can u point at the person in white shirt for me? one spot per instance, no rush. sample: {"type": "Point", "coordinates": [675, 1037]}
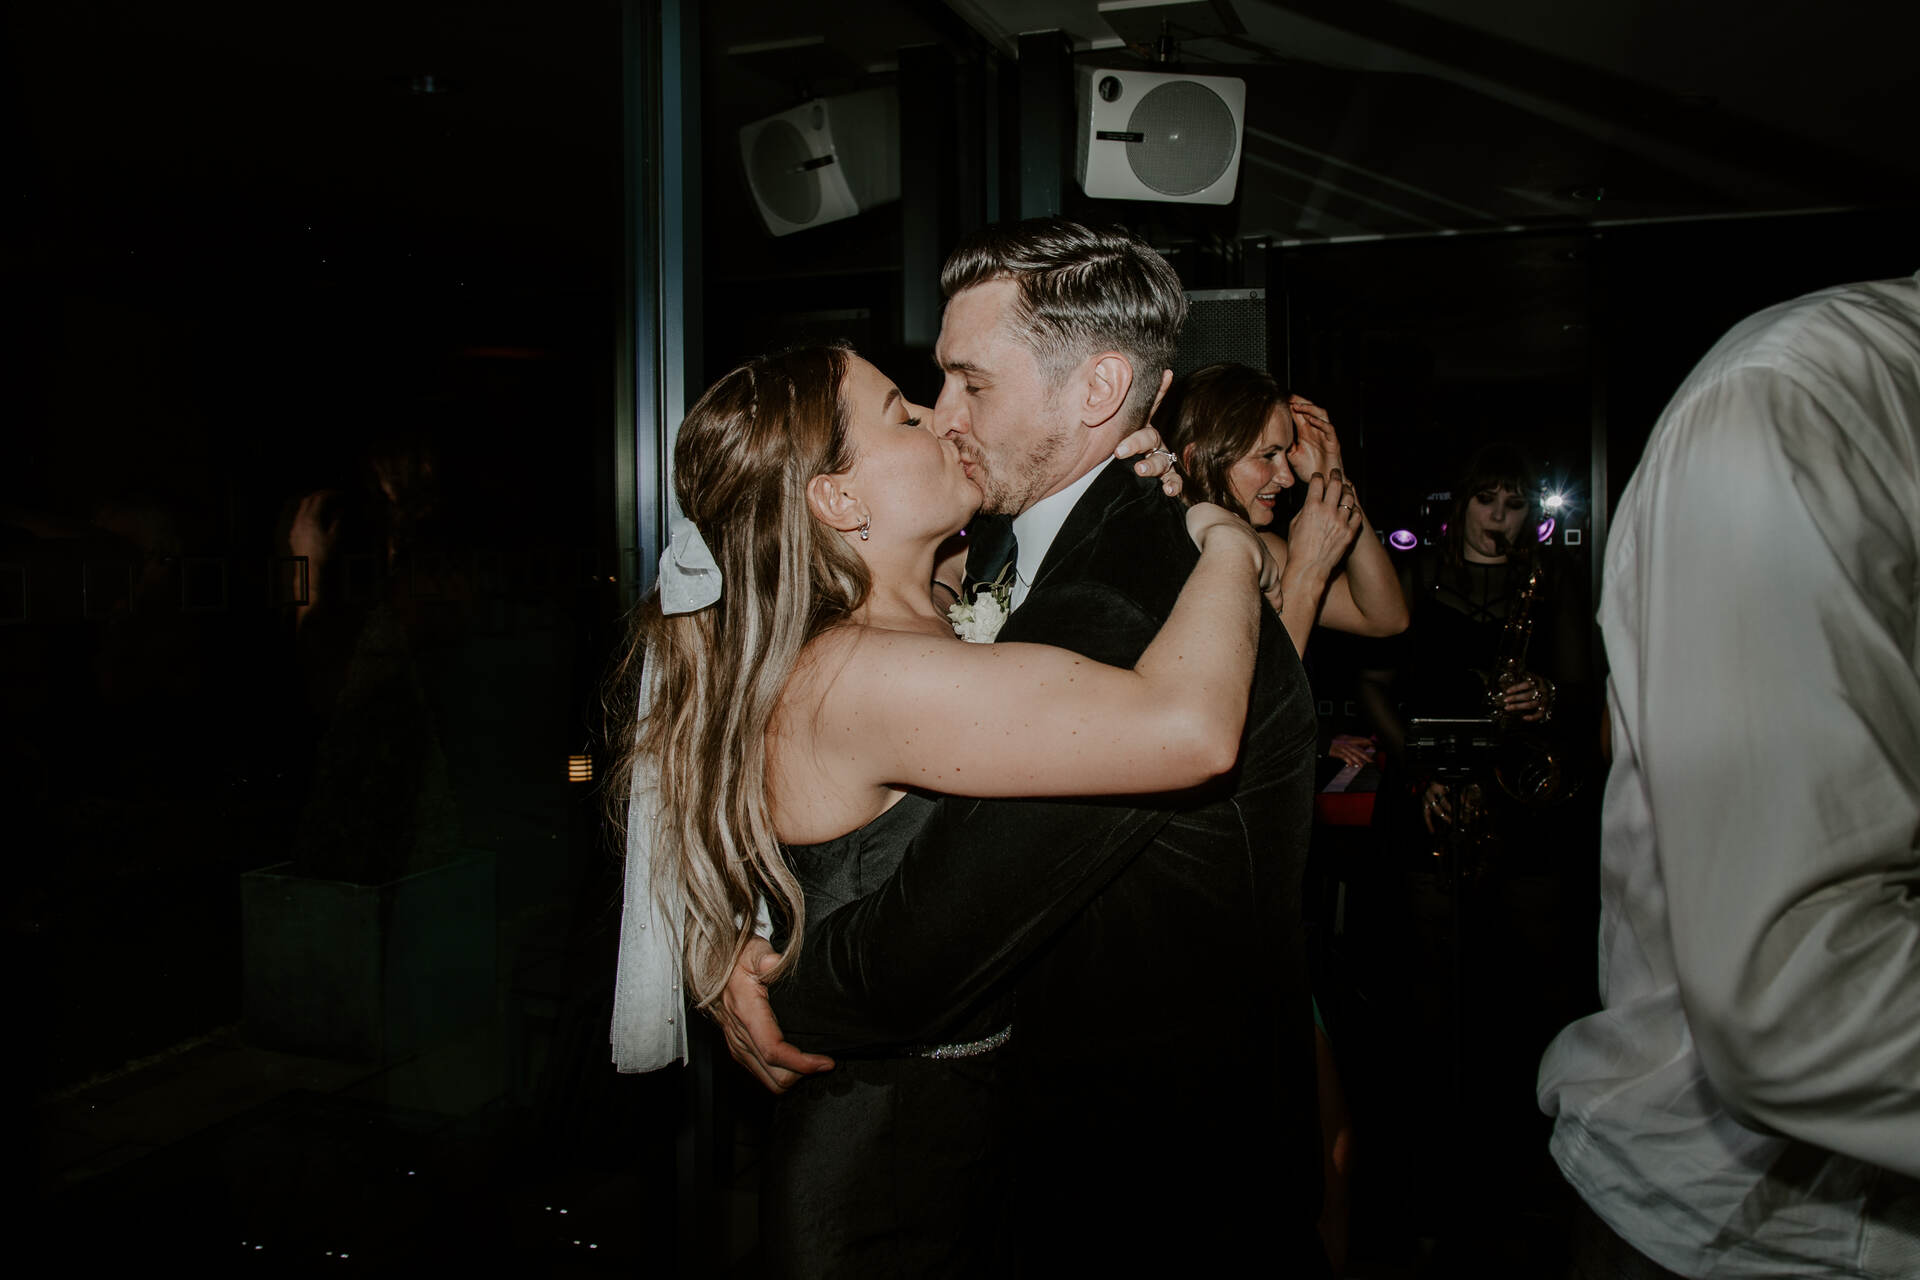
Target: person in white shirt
{"type": "Point", "coordinates": [1748, 1101]}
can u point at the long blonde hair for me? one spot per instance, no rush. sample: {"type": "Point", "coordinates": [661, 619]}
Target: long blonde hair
{"type": "Point", "coordinates": [741, 465]}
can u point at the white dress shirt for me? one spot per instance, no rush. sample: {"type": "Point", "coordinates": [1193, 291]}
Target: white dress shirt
{"type": "Point", "coordinates": [1035, 529]}
{"type": "Point", "coordinates": [1748, 1103]}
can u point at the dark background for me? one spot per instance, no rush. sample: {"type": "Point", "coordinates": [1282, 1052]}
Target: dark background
{"type": "Point", "coordinates": [258, 253]}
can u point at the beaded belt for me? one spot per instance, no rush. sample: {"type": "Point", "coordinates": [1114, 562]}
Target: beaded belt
{"type": "Point", "coordinates": [971, 1049]}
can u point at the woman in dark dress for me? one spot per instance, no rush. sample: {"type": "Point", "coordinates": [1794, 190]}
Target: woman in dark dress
{"type": "Point", "coordinates": [1243, 442]}
{"type": "Point", "coordinates": [801, 684]}
{"type": "Point", "coordinates": [887, 1166]}
{"type": "Point", "coordinates": [1461, 593]}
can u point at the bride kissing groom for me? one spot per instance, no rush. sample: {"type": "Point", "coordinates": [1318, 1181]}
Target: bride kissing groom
{"type": "Point", "coordinates": [1057, 960]}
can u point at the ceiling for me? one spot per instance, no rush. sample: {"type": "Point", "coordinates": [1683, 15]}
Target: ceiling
{"type": "Point", "coordinates": [1395, 117]}
{"type": "Point", "coordinates": [1365, 117]}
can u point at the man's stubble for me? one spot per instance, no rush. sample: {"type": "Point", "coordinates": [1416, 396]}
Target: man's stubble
{"type": "Point", "coordinates": [1032, 477]}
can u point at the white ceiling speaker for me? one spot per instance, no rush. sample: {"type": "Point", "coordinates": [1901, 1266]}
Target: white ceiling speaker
{"type": "Point", "coordinates": [1147, 135]}
{"type": "Point", "coordinates": [824, 160]}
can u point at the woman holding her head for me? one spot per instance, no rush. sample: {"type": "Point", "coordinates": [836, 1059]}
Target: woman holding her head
{"type": "Point", "coordinates": [1242, 442]}
{"type": "Point", "coordinates": [801, 687]}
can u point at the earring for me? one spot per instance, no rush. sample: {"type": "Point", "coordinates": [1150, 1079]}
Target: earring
{"type": "Point", "coordinates": [866, 528]}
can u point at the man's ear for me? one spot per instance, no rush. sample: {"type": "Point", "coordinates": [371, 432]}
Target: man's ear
{"type": "Point", "coordinates": [1109, 378]}
{"type": "Point", "coordinates": [832, 505]}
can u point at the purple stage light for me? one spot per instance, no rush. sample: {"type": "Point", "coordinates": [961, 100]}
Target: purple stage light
{"type": "Point", "coordinates": [1402, 540]}
{"type": "Point", "coordinates": [1546, 529]}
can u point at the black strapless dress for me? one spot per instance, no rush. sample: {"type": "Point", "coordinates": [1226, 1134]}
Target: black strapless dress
{"type": "Point", "coordinates": [886, 1166]}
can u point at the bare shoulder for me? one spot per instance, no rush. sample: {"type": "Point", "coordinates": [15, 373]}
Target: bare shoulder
{"type": "Point", "coordinates": [889, 644]}
{"type": "Point", "coordinates": [1276, 546]}
{"type": "Point", "coordinates": [853, 662]}
{"type": "Point", "coordinates": [820, 778]}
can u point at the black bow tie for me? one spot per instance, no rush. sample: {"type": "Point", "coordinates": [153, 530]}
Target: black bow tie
{"type": "Point", "coordinates": [990, 550]}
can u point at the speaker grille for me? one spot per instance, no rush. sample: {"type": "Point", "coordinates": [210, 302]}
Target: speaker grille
{"type": "Point", "coordinates": [1223, 325]}
{"type": "Point", "coordinates": [788, 188]}
{"type": "Point", "coordinates": [1188, 138]}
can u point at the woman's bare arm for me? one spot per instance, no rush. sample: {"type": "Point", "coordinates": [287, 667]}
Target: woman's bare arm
{"type": "Point", "coordinates": [1363, 595]}
{"type": "Point", "coordinates": [1319, 538]}
{"type": "Point", "coordinates": [907, 709]}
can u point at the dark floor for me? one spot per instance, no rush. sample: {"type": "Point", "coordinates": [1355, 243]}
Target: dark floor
{"type": "Point", "coordinates": [514, 1146]}
{"type": "Point", "coordinates": [232, 1158]}
{"type": "Point", "coordinates": [227, 1156]}
{"type": "Point", "coordinates": [509, 1142]}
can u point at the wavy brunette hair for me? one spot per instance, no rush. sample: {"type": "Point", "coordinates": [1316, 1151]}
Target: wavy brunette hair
{"type": "Point", "coordinates": [1211, 419]}
{"type": "Point", "coordinates": [741, 465]}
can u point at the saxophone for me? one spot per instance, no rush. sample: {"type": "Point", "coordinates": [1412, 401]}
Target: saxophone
{"type": "Point", "coordinates": [1526, 766]}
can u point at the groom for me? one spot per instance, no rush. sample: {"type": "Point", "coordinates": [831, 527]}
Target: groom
{"type": "Point", "coordinates": [1149, 948]}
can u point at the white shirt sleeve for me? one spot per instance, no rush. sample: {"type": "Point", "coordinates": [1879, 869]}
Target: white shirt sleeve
{"type": "Point", "coordinates": [1775, 710]}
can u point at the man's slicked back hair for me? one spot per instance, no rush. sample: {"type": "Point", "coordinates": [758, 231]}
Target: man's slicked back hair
{"type": "Point", "coordinates": [1080, 290]}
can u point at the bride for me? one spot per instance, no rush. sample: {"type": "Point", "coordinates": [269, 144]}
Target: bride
{"type": "Point", "coordinates": [801, 692]}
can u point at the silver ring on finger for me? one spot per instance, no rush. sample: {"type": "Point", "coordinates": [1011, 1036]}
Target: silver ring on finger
{"type": "Point", "coordinates": [1164, 452]}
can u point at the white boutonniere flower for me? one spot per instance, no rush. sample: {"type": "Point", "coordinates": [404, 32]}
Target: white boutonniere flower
{"type": "Point", "coordinates": [978, 621]}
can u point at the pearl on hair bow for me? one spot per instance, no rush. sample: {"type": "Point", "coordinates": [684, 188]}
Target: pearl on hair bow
{"type": "Point", "coordinates": [689, 576]}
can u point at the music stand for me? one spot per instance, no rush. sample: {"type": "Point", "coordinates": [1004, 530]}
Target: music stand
{"type": "Point", "coordinates": [1452, 748]}
{"type": "Point", "coordinates": [1461, 752]}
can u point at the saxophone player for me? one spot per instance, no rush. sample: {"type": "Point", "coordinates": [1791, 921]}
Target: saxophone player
{"type": "Point", "coordinates": [1462, 593]}
{"type": "Point", "coordinates": [1523, 927]}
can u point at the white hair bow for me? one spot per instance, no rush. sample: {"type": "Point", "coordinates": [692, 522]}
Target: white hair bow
{"type": "Point", "coordinates": [649, 1005]}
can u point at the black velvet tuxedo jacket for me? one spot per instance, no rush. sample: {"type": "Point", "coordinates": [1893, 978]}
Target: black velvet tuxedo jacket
{"type": "Point", "coordinates": [1148, 947]}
